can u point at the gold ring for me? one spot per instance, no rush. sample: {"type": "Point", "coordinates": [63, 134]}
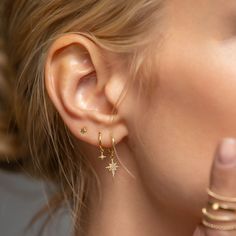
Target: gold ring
{"type": "Point", "coordinates": [218, 217]}
{"type": "Point", "coordinates": [221, 206]}
{"type": "Point", "coordinates": [217, 206]}
{"type": "Point", "coordinates": [219, 227]}
{"type": "Point", "coordinates": [220, 197]}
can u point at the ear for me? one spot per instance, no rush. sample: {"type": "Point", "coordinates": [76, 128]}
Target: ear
{"type": "Point", "coordinates": [84, 89]}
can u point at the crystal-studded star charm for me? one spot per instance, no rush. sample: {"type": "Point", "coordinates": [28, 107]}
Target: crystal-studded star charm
{"type": "Point", "coordinates": [112, 167]}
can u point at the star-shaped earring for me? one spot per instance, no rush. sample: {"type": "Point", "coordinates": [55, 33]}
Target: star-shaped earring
{"type": "Point", "coordinates": [112, 167]}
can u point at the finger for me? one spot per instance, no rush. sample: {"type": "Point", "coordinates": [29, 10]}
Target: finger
{"type": "Point", "coordinates": [223, 182]}
{"type": "Point", "coordinates": [200, 231]}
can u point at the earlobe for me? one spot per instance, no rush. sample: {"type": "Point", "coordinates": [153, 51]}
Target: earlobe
{"type": "Point", "coordinates": [77, 80]}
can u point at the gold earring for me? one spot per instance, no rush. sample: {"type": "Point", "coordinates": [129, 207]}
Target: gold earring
{"type": "Point", "coordinates": [113, 166]}
{"type": "Point", "coordinates": [83, 130]}
{"type": "Point", "coordinates": [102, 156]}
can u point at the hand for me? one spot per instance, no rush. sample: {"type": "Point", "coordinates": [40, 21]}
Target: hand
{"type": "Point", "coordinates": [222, 182]}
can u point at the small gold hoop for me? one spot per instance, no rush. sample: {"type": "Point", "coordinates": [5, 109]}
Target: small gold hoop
{"type": "Point", "coordinates": [102, 150]}
{"type": "Point", "coordinates": [113, 141]}
{"type": "Point", "coordinates": [100, 140]}
{"type": "Point", "coordinates": [220, 197]}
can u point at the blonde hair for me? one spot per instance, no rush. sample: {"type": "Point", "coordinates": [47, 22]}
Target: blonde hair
{"type": "Point", "coordinates": [31, 129]}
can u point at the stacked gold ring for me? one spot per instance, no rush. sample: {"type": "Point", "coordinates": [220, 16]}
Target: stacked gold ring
{"type": "Point", "coordinates": [217, 205]}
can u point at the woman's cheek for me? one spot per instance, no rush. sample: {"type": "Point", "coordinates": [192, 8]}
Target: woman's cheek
{"type": "Point", "coordinates": [191, 109]}
{"type": "Point", "coordinates": [201, 85]}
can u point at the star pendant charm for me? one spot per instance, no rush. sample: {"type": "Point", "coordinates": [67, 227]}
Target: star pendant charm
{"type": "Point", "coordinates": [112, 167]}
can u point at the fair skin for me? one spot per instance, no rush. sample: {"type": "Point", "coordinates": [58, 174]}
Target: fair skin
{"type": "Point", "coordinates": [166, 140]}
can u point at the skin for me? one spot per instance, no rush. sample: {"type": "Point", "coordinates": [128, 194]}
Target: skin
{"type": "Point", "coordinates": [170, 147]}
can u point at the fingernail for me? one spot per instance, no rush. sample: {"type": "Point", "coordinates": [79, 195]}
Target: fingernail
{"type": "Point", "coordinates": [227, 152]}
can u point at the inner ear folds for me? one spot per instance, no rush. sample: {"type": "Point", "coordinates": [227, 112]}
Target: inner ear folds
{"type": "Point", "coordinates": [77, 84]}
{"type": "Point", "coordinates": [76, 77]}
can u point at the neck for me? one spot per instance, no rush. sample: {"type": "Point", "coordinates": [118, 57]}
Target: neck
{"type": "Point", "coordinates": [126, 209]}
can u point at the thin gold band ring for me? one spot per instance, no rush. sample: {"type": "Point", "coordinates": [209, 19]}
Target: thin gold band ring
{"type": "Point", "coordinates": [220, 197]}
{"type": "Point", "coordinates": [218, 217]}
{"type": "Point", "coordinates": [219, 227]}
{"type": "Point", "coordinates": [221, 206]}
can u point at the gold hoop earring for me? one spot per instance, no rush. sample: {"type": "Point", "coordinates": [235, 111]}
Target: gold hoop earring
{"type": "Point", "coordinates": [102, 156]}
{"type": "Point", "coordinates": [113, 166]}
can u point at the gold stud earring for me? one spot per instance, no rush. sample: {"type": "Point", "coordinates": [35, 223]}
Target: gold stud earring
{"type": "Point", "coordinates": [113, 166]}
{"type": "Point", "coordinates": [102, 156]}
{"type": "Point", "coordinates": [83, 130]}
